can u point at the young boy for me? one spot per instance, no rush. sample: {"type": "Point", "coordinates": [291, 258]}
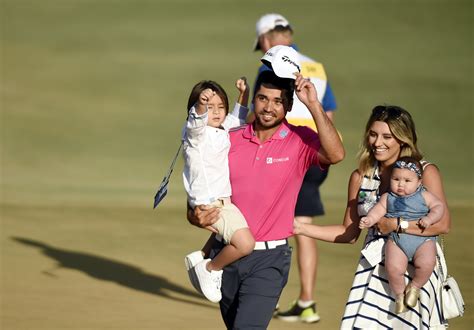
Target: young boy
{"type": "Point", "coordinates": [206, 180]}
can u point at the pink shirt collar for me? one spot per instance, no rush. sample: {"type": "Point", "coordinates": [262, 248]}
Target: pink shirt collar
{"type": "Point", "coordinates": [281, 133]}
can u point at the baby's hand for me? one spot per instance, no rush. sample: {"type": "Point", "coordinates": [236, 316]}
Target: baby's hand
{"type": "Point", "coordinates": [242, 85]}
{"type": "Point", "coordinates": [364, 222]}
{"type": "Point", "coordinates": [205, 96]}
{"type": "Point", "coordinates": [424, 223]}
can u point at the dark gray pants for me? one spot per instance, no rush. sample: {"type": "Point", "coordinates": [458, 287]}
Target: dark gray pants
{"type": "Point", "coordinates": [252, 286]}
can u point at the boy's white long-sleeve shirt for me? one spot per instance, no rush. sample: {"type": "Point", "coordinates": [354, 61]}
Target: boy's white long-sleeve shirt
{"type": "Point", "coordinates": [206, 161]}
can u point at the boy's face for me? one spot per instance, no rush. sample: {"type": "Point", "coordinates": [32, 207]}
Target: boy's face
{"type": "Point", "coordinates": [269, 107]}
{"type": "Point", "coordinates": [404, 182]}
{"type": "Point", "coordinates": [216, 111]}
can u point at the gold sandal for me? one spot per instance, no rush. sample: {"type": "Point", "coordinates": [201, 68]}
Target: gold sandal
{"type": "Point", "coordinates": [400, 305]}
{"type": "Point", "coordinates": [411, 295]}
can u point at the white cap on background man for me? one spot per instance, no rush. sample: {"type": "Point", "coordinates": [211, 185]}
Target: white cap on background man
{"type": "Point", "coordinates": [267, 23]}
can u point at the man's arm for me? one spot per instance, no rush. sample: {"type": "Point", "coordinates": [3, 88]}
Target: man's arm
{"type": "Point", "coordinates": [203, 216]}
{"type": "Point", "coordinates": [330, 115]}
{"type": "Point", "coordinates": [331, 150]}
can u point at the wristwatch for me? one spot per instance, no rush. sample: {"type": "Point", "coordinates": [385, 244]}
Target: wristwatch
{"type": "Point", "coordinates": [402, 225]}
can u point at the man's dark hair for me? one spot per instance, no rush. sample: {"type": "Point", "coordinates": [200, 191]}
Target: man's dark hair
{"type": "Point", "coordinates": [282, 29]}
{"type": "Point", "coordinates": [269, 79]}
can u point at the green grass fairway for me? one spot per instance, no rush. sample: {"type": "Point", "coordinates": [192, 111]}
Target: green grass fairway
{"type": "Point", "coordinates": [93, 96]}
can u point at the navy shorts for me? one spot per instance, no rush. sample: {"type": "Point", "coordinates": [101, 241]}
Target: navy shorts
{"type": "Point", "coordinates": [252, 285]}
{"type": "Point", "coordinates": [309, 200]}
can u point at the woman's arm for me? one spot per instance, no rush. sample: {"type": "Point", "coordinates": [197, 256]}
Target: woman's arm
{"type": "Point", "coordinates": [433, 183]}
{"type": "Point", "coordinates": [348, 231]}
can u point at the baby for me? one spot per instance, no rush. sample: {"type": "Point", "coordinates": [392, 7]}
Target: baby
{"type": "Point", "coordinates": [407, 201]}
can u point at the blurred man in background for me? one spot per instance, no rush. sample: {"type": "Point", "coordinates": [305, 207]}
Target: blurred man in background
{"type": "Point", "coordinates": [273, 30]}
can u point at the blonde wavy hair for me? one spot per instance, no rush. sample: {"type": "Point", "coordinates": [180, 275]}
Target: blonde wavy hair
{"type": "Point", "coordinates": [402, 128]}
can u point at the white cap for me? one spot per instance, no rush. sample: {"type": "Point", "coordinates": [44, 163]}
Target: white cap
{"type": "Point", "coordinates": [283, 60]}
{"type": "Point", "coordinates": [267, 23]}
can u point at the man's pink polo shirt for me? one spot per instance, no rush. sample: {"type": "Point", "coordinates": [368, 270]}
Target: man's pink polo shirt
{"type": "Point", "coordinates": [266, 177]}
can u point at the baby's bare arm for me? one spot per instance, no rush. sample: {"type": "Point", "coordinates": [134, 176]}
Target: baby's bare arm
{"type": "Point", "coordinates": [436, 210]}
{"type": "Point", "coordinates": [375, 214]}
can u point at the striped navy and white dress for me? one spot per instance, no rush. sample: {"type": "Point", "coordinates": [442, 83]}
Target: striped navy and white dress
{"type": "Point", "coordinates": [371, 304]}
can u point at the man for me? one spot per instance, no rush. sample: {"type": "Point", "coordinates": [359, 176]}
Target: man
{"type": "Point", "coordinates": [273, 30]}
{"type": "Point", "coordinates": [268, 160]}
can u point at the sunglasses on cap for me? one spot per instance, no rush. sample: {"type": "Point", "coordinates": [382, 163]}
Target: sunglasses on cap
{"type": "Point", "coordinates": [387, 111]}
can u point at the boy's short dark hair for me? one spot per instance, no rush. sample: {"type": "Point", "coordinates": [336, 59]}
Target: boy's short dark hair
{"type": "Point", "coordinates": [270, 80]}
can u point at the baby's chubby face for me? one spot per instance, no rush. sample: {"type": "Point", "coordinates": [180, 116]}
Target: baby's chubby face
{"type": "Point", "coordinates": [404, 182]}
{"type": "Point", "coordinates": [216, 111]}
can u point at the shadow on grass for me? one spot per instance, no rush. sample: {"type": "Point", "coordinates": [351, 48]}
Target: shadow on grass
{"type": "Point", "coordinates": [113, 271]}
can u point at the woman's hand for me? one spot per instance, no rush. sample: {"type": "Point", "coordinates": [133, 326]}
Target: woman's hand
{"type": "Point", "coordinates": [203, 216]}
{"type": "Point", "coordinates": [387, 225]}
{"type": "Point", "coordinates": [297, 227]}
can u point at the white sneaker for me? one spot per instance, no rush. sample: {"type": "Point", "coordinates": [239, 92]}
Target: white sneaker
{"type": "Point", "coordinates": [190, 261]}
{"type": "Point", "coordinates": [210, 282]}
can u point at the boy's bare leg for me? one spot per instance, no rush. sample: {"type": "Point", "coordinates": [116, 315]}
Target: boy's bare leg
{"type": "Point", "coordinates": [206, 249]}
{"type": "Point", "coordinates": [241, 244]}
{"type": "Point", "coordinates": [396, 264]}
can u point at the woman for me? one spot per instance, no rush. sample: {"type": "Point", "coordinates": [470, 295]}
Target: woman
{"type": "Point", "coordinates": [389, 134]}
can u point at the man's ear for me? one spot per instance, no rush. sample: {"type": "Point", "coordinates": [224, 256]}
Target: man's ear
{"type": "Point", "coordinates": [264, 42]}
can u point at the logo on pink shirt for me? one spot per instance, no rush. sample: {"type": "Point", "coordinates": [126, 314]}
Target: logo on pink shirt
{"type": "Point", "coordinates": [271, 160]}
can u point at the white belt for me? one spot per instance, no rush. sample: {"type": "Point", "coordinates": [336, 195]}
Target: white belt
{"type": "Point", "coordinates": [266, 245]}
